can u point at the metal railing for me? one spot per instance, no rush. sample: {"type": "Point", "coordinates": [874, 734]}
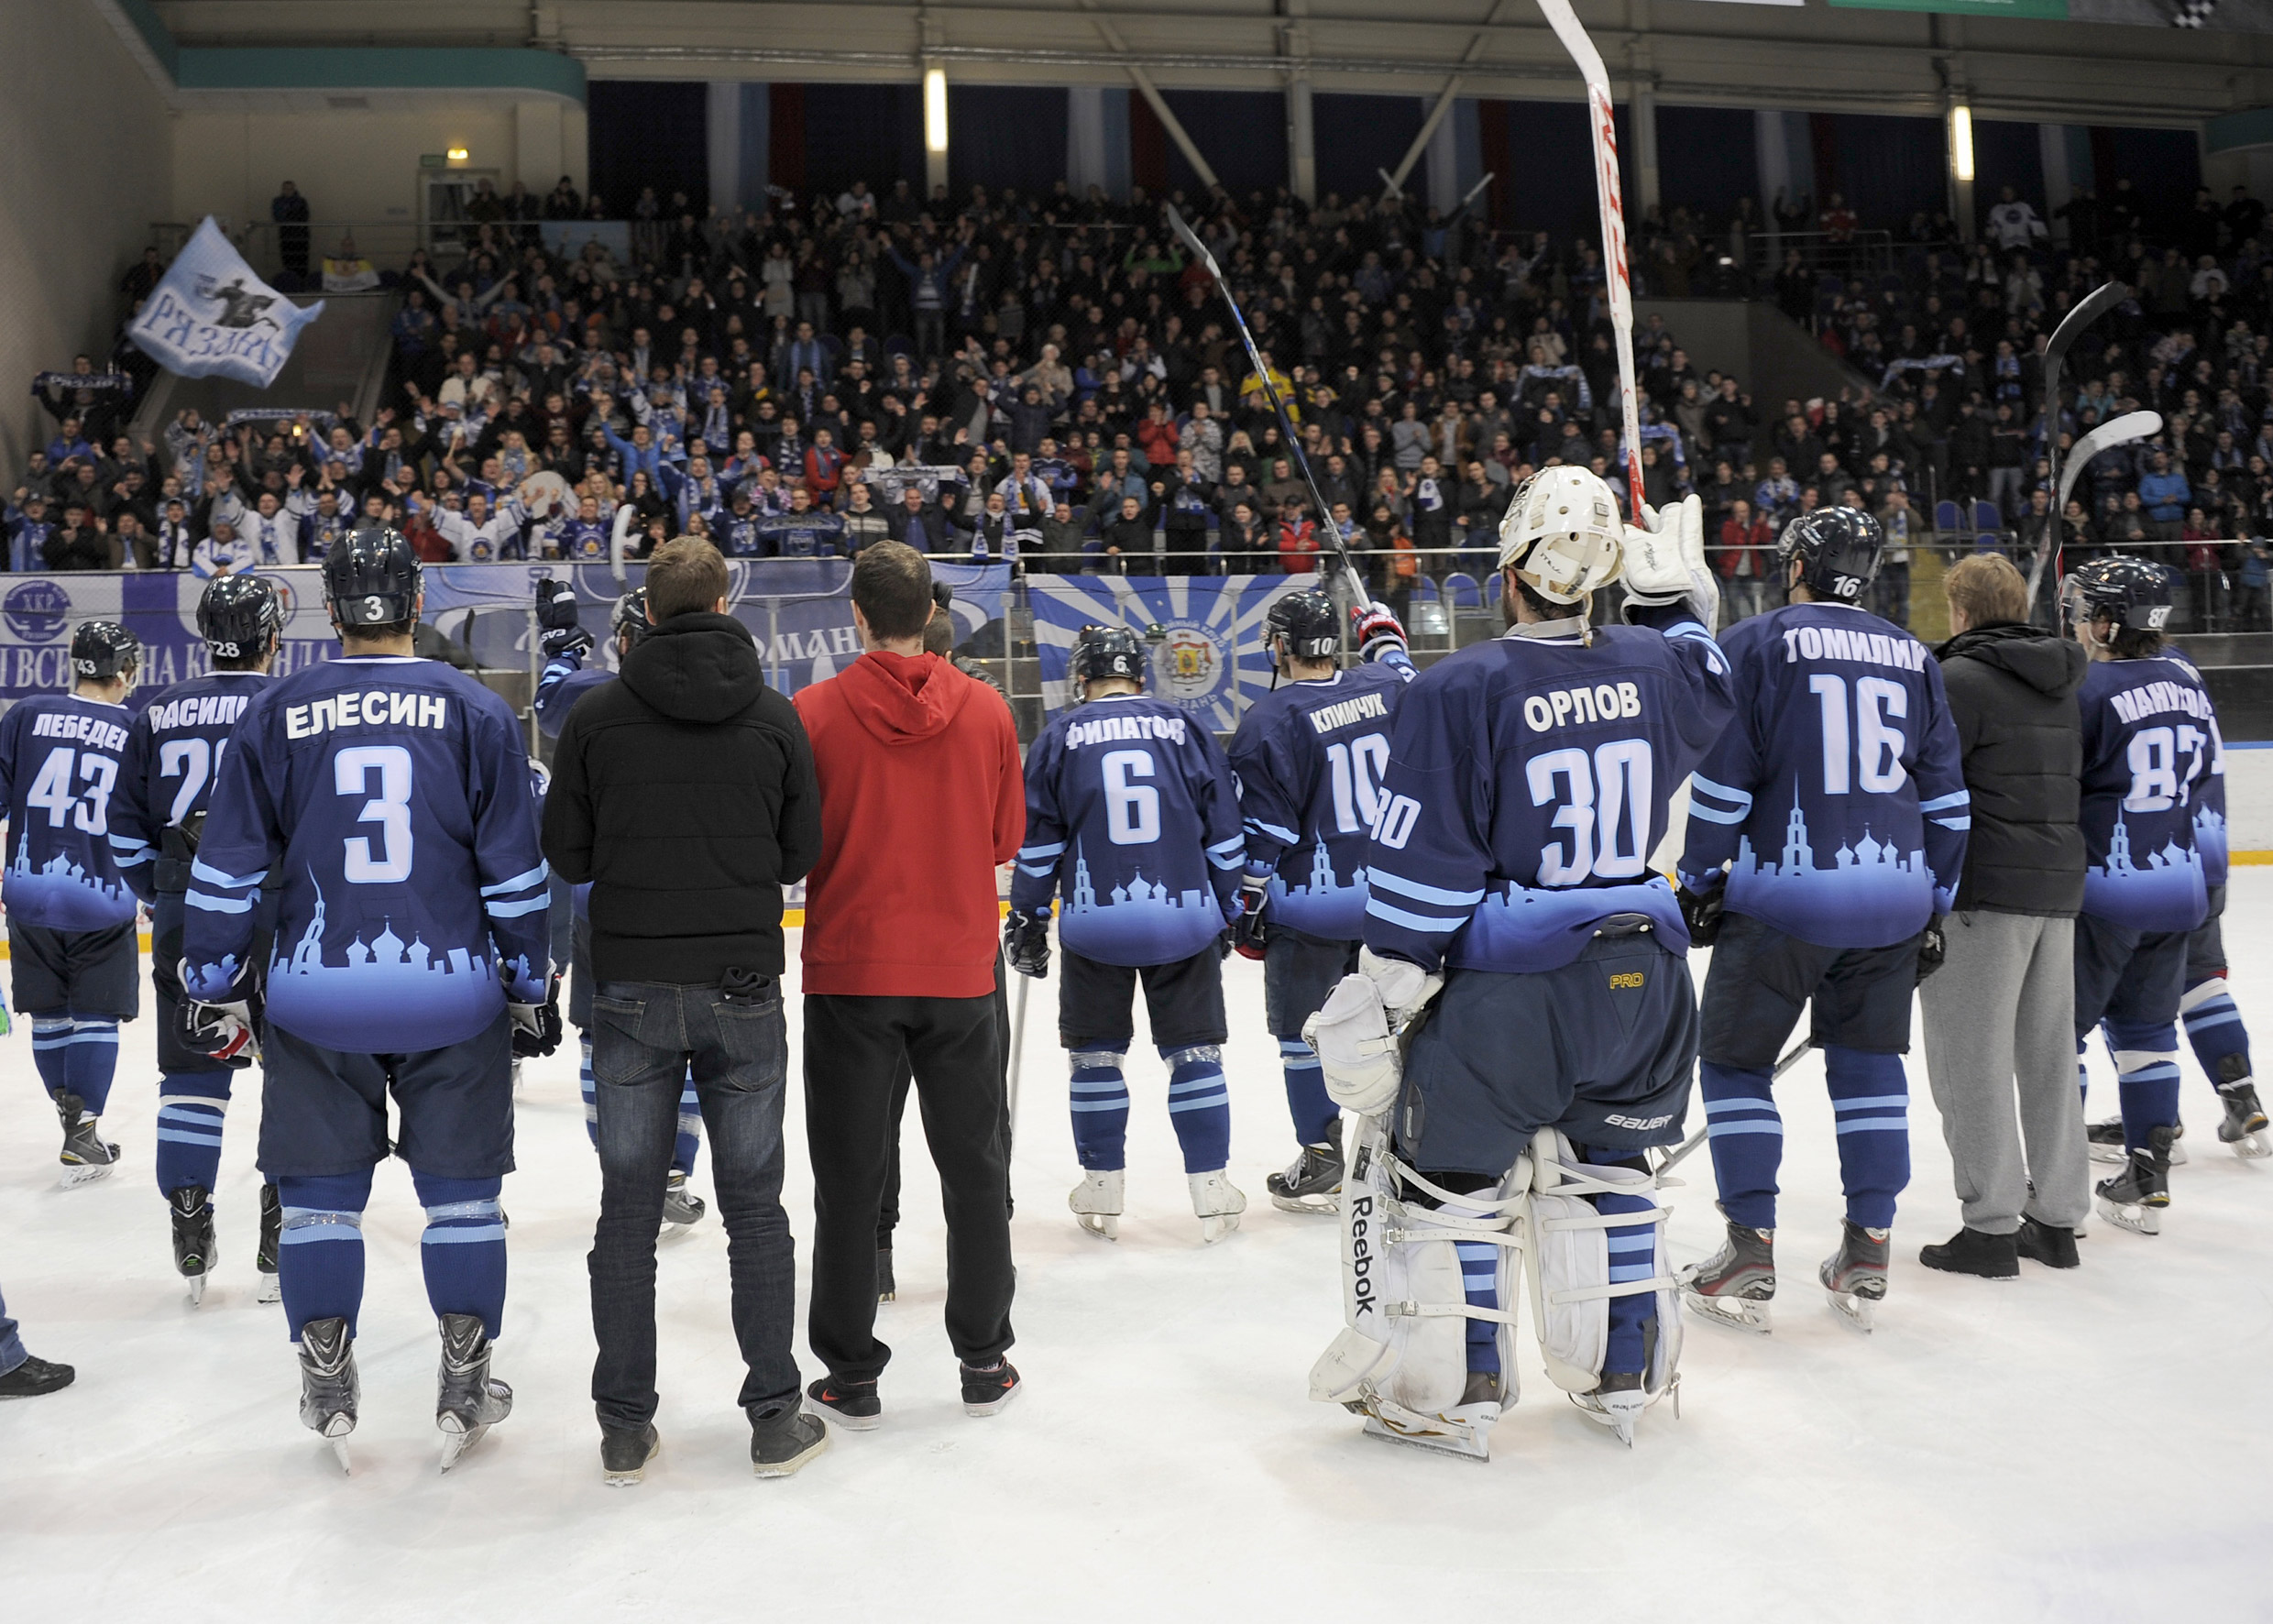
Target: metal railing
{"type": "Point", "coordinates": [1869, 254]}
{"type": "Point", "coordinates": [386, 244]}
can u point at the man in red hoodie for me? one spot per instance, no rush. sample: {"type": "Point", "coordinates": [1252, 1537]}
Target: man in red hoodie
{"type": "Point", "coordinates": [922, 799]}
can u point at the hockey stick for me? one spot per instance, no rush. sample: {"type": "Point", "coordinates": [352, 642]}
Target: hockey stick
{"type": "Point", "coordinates": [2120, 431]}
{"type": "Point", "coordinates": [2094, 306]}
{"type": "Point", "coordinates": [1604, 129]}
{"type": "Point", "coordinates": [1017, 1043]}
{"type": "Point", "coordinates": [1278, 404]}
{"type": "Point", "coordinates": [1797, 1053]}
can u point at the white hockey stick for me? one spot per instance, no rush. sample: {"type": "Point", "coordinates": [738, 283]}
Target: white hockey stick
{"type": "Point", "coordinates": [2117, 431]}
{"type": "Point", "coordinates": [1604, 129]}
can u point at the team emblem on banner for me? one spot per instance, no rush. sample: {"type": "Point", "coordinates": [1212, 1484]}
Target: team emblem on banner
{"type": "Point", "coordinates": [1205, 633]}
{"type": "Point", "coordinates": [36, 611]}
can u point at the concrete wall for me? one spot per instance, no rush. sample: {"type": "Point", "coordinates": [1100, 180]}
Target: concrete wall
{"type": "Point", "coordinates": [85, 134]}
{"type": "Point", "coordinates": [1774, 358]}
{"type": "Point", "coordinates": [361, 165]}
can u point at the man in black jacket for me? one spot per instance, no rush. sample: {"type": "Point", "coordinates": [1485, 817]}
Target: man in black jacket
{"type": "Point", "coordinates": [684, 794]}
{"type": "Point", "coordinates": [2003, 1012]}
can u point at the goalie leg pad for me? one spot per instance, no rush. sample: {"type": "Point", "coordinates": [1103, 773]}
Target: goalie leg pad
{"type": "Point", "coordinates": [1603, 1297]}
{"type": "Point", "coordinates": [1421, 1266]}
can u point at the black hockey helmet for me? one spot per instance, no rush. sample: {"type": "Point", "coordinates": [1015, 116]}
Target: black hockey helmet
{"type": "Point", "coordinates": [2136, 592]}
{"type": "Point", "coordinates": [1307, 620]}
{"type": "Point", "coordinates": [238, 615]}
{"type": "Point", "coordinates": [630, 619]}
{"type": "Point", "coordinates": [371, 578]}
{"type": "Point", "coordinates": [1106, 650]}
{"type": "Point", "coordinates": [1839, 550]}
{"type": "Point", "coordinates": [103, 651]}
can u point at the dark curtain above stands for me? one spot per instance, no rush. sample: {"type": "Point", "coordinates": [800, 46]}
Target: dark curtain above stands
{"type": "Point", "coordinates": [648, 132]}
{"type": "Point", "coordinates": [1241, 133]}
{"type": "Point", "coordinates": [1005, 134]}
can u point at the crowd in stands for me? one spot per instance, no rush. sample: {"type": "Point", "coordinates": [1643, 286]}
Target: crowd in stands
{"type": "Point", "coordinates": [1050, 380]}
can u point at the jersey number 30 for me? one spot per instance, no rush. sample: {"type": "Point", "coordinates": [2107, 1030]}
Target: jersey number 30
{"type": "Point", "coordinates": [1605, 806]}
{"type": "Point", "coordinates": [352, 771]}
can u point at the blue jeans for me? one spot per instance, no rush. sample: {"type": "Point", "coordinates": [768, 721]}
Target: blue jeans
{"type": "Point", "coordinates": [12, 1351]}
{"type": "Point", "coordinates": [646, 1038]}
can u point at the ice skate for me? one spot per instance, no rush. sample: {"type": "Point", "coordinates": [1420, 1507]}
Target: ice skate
{"type": "Point", "coordinates": [2244, 1125]}
{"type": "Point", "coordinates": [2104, 1140]}
{"type": "Point", "coordinates": [887, 1289]}
{"type": "Point", "coordinates": [1096, 1202]}
{"type": "Point", "coordinates": [86, 1155]}
{"type": "Point", "coordinates": [1217, 1202]}
{"type": "Point", "coordinates": [1617, 1402]}
{"type": "Point", "coordinates": [1461, 1431]}
{"type": "Point", "coordinates": [1734, 1285]}
{"type": "Point", "coordinates": [194, 1252]}
{"type": "Point", "coordinates": [1855, 1275]}
{"type": "Point", "coordinates": [329, 1390]}
{"type": "Point", "coordinates": [2134, 1197]}
{"type": "Point", "coordinates": [1313, 1182]}
{"type": "Point", "coordinates": [468, 1402]}
{"type": "Point", "coordinates": [271, 1237]}
{"type": "Point", "coordinates": [681, 1207]}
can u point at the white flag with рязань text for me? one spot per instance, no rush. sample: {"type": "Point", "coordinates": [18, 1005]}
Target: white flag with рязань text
{"type": "Point", "coordinates": [211, 315]}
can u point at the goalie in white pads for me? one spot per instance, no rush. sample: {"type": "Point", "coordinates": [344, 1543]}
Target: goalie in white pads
{"type": "Point", "coordinates": [1522, 1026]}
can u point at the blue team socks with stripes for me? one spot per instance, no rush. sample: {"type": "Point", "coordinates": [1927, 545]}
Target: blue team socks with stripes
{"type": "Point", "coordinates": [1633, 1256]}
{"type": "Point", "coordinates": [1099, 1107]}
{"type": "Point", "coordinates": [1199, 1105]}
{"type": "Point", "coordinates": [2214, 1029]}
{"type": "Point", "coordinates": [191, 1106]}
{"type": "Point", "coordinates": [1307, 1102]}
{"type": "Point", "coordinates": [320, 1259]}
{"type": "Point", "coordinates": [463, 1250]}
{"type": "Point", "coordinates": [689, 1139]}
{"type": "Point", "coordinates": [77, 1055]}
{"type": "Point", "coordinates": [1871, 1098]}
{"type": "Point", "coordinates": [2146, 1072]}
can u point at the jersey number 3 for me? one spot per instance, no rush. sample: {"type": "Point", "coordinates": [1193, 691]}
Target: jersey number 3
{"type": "Point", "coordinates": [352, 769]}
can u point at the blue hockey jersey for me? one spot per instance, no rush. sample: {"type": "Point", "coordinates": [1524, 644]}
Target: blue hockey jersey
{"type": "Point", "coordinates": [586, 541]}
{"type": "Point", "coordinates": [173, 751]}
{"type": "Point", "coordinates": [396, 794]}
{"type": "Point", "coordinates": [2154, 795]}
{"type": "Point", "coordinates": [566, 680]}
{"type": "Point", "coordinates": [813, 533]}
{"type": "Point", "coordinates": [1527, 785]}
{"type": "Point", "coordinates": [1838, 799]}
{"type": "Point", "coordinates": [1131, 813]}
{"type": "Point", "coordinates": [59, 762]}
{"type": "Point", "coordinates": [1308, 759]}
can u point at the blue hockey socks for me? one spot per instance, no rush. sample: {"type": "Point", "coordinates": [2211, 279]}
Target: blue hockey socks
{"type": "Point", "coordinates": [1633, 1256]}
{"type": "Point", "coordinates": [76, 1055]}
{"type": "Point", "coordinates": [1307, 1102]}
{"type": "Point", "coordinates": [463, 1250]}
{"type": "Point", "coordinates": [1746, 1137]}
{"type": "Point", "coordinates": [1199, 1105]}
{"type": "Point", "coordinates": [320, 1259]}
{"type": "Point", "coordinates": [591, 1097]}
{"type": "Point", "coordinates": [50, 1047]}
{"type": "Point", "coordinates": [2147, 1072]}
{"type": "Point", "coordinates": [2215, 1027]}
{"type": "Point", "coordinates": [1871, 1097]}
{"type": "Point", "coordinates": [1100, 1109]}
{"type": "Point", "coordinates": [190, 1105]}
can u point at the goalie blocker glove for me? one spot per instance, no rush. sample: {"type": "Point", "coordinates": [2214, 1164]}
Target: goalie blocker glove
{"type": "Point", "coordinates": [1357, 1033]}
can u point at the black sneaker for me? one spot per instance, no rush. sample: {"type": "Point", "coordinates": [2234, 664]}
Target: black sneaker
{"type": "Point", "coordinates": [1975, 1252]}
{"type": "Point", "coordinates": [36, 1375]}
{"type": "Point", "coordinates": [624, 1454]}
{"type": "Point", "coordinates": [851, 1404]}
{"type": "Point", "coordinates": [780, 1443]}
{"type": "Point", "coordinates": [2048, 1245]}
{"type": "Point", "coordinates": [985, 1392]}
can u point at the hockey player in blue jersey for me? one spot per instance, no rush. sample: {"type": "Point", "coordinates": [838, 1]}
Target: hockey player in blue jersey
{"type": "Point", "coordinates": [566, 680]}
{"type": "Point", "coordinates": [1308, 759]}
{"type": "Point", "coordinates": [2220, 1043]}
{"type": "Point", "coordinates": [1522, 1029]}
{"type": "Point", "coordinates": [1132, 815]}
{"type": "Point", "coordinates": [1826, 834]}
{"type": "Point", "coordinates": [157, 819]}
{"type": "Point", "coordinates": [2154, 832]}
{"type": "Point", "coordinates": [71, 917]}
{"type": "Point", "coordinates": [394, 794]}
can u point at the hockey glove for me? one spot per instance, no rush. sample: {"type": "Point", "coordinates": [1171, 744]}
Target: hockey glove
{"type": "Point", "coordinates": [1404, 986]}
{"type": "Point", "coordinates": [1933, 947]}
{"type": "Point", "coordinates": [556, 605]}
{"type": "Point", "coordinates": [1248, 933]}
{"type": "Point", "coordinates": [1025, 943]}
{"type": "Point", "coordinates": [229, 1033]}
{"type": "Point", "coordinates": [1377, 630]}
{"type": "Point", "coordinates": [536, 1027]}
{"type": "Point", "coordinates": [1664, 564]}
{"type": "Point", "coordinates": [1357, 1051]}
{"type": "Point", "coordinates": [1701, 913]}
{"type": "Point", "coordinates": [570, 640]}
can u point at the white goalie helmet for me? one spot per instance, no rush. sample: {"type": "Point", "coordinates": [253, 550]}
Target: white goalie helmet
{"type": "Point", "coordinates": [1563, 533]}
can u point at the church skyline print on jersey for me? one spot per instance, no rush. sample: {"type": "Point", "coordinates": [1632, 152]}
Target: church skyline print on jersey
{"type": "Point", "coordinates": [59, 762]}
{"type": "Point", "coordinates": [1870, 877]}
{"type": "Point", "coordinates": [2154, 795]}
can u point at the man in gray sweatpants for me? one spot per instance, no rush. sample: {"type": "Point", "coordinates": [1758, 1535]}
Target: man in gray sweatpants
{"type": "Point", "coordinates": [2000, 1017]}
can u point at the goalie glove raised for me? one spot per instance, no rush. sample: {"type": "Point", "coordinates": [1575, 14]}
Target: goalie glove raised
{"type": "Point", "coordinates": [1665, 564]}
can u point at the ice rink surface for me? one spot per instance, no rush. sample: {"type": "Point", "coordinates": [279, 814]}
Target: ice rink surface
{"type": "Point", "coordinates": [2066, 1446]}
